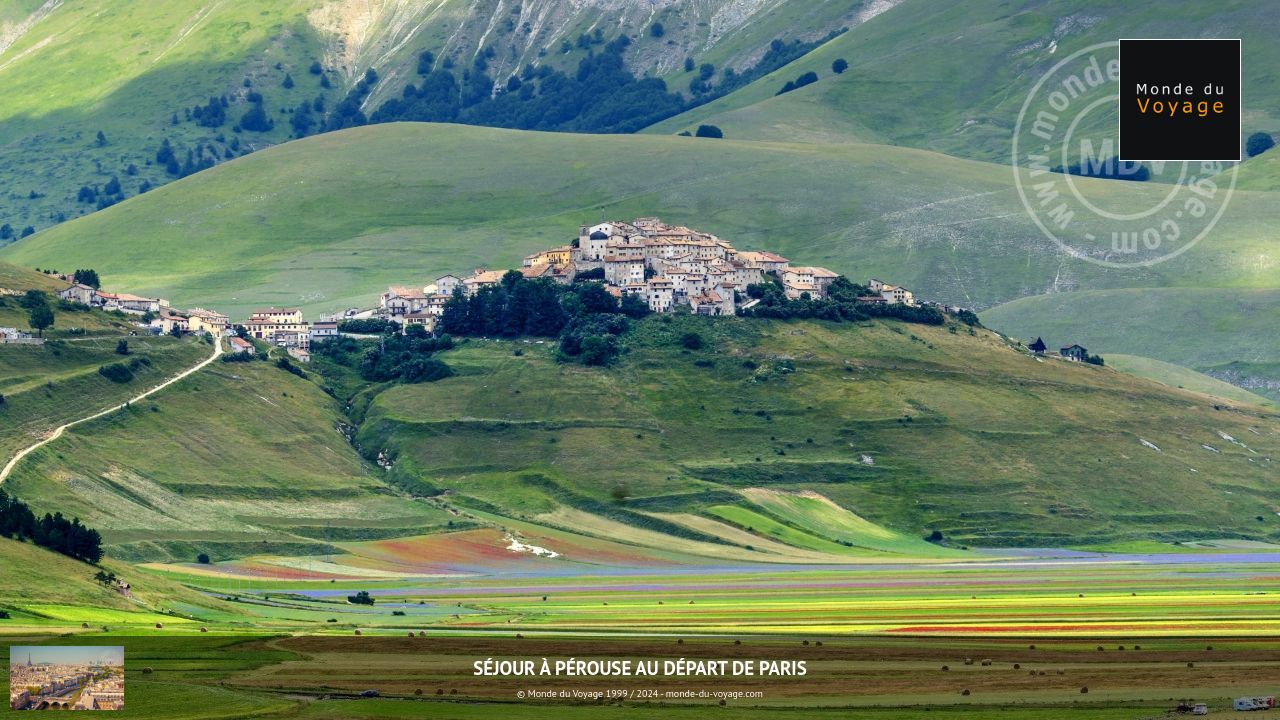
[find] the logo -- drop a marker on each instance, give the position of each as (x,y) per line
(1095,206)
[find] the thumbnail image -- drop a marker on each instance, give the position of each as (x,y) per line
(66,678)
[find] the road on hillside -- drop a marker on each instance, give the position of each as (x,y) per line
(57,432)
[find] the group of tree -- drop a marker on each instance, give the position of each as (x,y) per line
(87,276)
(196,159)
(1110,169)
(69,537)
(808,78)
(408,358)
(601,96)
(40,313)
(7,232)
(840,305)
(584,316)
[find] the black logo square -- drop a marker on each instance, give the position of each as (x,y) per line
(1180,100)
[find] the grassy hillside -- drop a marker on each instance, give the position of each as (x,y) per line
(910,427)
(329,221)
(133,71)
(1180,377)
(44,386)
(38,586)
(951,77)
(1195,328)
(240,457)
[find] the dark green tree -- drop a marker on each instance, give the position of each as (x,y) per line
(839,66)
(41,318)
(1259,143)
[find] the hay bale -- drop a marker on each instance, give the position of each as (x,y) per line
(986,663)
(1101,649)
(204,629)
(1031,647)
(737,642)
(147,671)
(968,661)
(1120,647)
(519,636)
(84,625)
(418,691)
(1017,666)
(422,633)
(411,633)
(1137,647)
(945,668)
(1084,690)
(159,626)
(965,691)
(1209,647)
(358,632)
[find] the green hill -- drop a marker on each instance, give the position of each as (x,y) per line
(135,71)
(329,221)
(238,458)
(1178,376)
(799,441)
(46,385)
(952,77)
(910,427)
(1197,328)
(39,587)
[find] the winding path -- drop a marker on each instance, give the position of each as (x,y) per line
(57,432)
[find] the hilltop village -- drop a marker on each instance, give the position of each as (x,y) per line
(668,266)
(671,268)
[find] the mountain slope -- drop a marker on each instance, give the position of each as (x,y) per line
(911,427)
(779,441)
(329,221)
(134,71)
(1198,328)
(238,458)
(952,77)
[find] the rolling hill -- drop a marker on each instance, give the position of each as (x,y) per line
(70,69)
(952,77)
(828,441)
(1221,325)
(329,221)
(238,458)
(46,385)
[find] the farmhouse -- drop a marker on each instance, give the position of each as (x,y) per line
(1074,352)
(80,293)
(239,345)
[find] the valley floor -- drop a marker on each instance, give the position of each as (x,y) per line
(1009,634)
